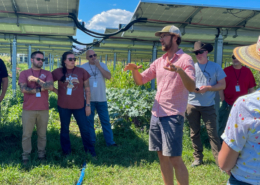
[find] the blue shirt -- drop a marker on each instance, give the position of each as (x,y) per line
(206,74)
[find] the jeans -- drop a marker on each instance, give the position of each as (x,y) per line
(102,111)
(233,181)
(80,116)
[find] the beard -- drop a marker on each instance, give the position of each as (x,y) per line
(39,65)
(166,47)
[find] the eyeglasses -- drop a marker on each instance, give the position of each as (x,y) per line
(161,37)
(70,59)
(90,56)
(199,52)
(233,57)
(40,59)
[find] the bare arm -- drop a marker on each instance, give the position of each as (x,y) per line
(227,157)
(4,88)
(25,89)
(105,73)
(187,81)
(136,75)
(251,90)
(221,94)
(87,91)
(44,85)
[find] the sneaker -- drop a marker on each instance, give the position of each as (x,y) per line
(25,161)
(196,163)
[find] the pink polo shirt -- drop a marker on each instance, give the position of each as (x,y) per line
(172,96)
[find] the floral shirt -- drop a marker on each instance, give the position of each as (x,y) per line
(242,134)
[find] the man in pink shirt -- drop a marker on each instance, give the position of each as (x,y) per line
(175,74)
(35,83)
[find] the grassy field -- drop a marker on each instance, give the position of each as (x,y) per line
(130,163)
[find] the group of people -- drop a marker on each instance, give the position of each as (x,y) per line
(184,89)
(81,91)
(188,89)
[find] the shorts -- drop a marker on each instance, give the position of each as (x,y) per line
(165,135)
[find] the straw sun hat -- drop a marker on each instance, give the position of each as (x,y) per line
(249,55)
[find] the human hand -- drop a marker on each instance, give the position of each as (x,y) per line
(88,111)
(97,63)
(132,67)
(171,67)
(32,79)
(203,89)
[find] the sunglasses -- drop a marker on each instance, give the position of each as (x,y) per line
(40,59)
(70,59)
(199,52)
(233,57)
(90,56)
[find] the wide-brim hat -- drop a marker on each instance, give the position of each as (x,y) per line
(202,46)
(169,29)
(249,55)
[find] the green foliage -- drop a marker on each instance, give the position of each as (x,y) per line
(124,79)
(128,106)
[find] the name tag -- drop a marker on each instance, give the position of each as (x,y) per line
(69,91)
(95,84)
(38,94)
(237,88)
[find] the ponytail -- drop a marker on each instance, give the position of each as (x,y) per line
(64,69)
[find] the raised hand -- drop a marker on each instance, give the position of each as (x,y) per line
(132,67)
(171,66)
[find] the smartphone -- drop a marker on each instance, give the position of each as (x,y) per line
(197,89)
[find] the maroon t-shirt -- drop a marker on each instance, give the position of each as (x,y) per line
(77,76)
(246,81)
(31,102)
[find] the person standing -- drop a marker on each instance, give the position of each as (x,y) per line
(175,76)
(35,83)
(210,78)
(99,73)
(72,83)
(240,152)
(3,81)
(239,81)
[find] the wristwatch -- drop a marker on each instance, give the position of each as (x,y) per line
(87,105)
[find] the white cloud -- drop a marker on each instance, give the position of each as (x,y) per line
(111,18)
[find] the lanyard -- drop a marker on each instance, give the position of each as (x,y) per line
(236,74)
(94,74)
(37,85)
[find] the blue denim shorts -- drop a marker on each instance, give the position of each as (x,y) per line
(165,135)
(233,181)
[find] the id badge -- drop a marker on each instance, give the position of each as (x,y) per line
(95,84)
(69,91)
(237,88)
(38,94)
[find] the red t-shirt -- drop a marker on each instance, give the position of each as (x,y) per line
(246,81)
(77,76)
(30,101)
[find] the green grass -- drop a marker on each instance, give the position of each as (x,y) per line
(130,163)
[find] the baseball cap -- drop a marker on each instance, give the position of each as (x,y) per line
(169,29)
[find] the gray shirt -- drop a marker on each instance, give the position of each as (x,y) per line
(206,74)
(96,81)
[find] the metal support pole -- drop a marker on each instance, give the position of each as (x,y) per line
(14,62)
(50,61)
(106,59)
(114,61)
(101,58)
(154,55)
(129,57)
(29,56)
(58,62)
(79,61)
(43,66)
(218,57)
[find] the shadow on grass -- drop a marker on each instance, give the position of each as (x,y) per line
(132,149)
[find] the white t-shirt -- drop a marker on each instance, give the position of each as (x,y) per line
(96,81)
(242,134)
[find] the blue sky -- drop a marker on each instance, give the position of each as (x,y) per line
(100,14)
